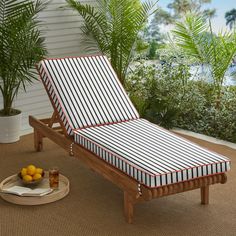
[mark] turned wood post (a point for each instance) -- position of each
(205, 195)
(128, 207)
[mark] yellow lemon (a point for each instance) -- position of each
(23, 172)
(31, 169)
(37, 176)
(27, 178)
(39, 171)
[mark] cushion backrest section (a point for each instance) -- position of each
(86, 92)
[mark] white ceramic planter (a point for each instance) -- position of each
(10, 127)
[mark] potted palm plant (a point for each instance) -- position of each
(21, 47)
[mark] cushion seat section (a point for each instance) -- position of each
(85, 91)
(150, 154)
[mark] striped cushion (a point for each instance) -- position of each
(149, 153)
(86, 91)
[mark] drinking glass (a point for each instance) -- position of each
(54, 177)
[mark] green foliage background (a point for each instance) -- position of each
(166, 96)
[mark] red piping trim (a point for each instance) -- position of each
(111, 123)
(111, 164)
(121, 86)
(50, 80)
(181, 181)
(104, 124)
(176, 135)
(145, 172)
(112, 153)
(82, 56)
(154, 175)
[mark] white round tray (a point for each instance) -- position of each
(61, 192)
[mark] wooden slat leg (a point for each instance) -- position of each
(38, 141)
(205, 195)
(128, 207)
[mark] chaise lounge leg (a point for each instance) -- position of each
(205, 195)
(38, 141)
(128, 207)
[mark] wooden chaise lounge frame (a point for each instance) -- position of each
(134, 192)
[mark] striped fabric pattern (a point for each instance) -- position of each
(150, 154)
(86, 92)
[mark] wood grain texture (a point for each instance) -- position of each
(205, 195)
(134, 192)
(128, 207)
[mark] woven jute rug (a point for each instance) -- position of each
(95, 207)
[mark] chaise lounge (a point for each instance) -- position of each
(99, 125)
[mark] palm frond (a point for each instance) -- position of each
(95, 22)
(114, 25)
(189, 35)
(217, 51)
(21, 46)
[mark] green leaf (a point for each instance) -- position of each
(21, 46)
(193, 36)
(114, 26)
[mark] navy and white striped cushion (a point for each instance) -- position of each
(86, 91)
(149, 153)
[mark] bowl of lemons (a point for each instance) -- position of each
(31, 175)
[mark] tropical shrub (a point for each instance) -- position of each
(217, 122)
(165, 95)
(155, 91)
